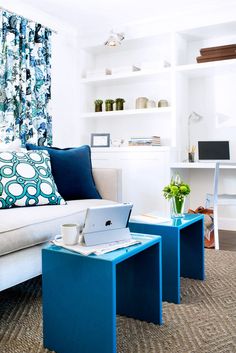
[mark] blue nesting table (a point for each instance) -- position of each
(182, 250)
(83, 294)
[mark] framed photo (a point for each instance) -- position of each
(100, 140)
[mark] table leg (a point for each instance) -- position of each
(170, 258)
(79, 304)
(139, 292)
(192, 251)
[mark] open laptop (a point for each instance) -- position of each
(213, 151)
(105, 224)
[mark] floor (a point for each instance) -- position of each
(227, 240)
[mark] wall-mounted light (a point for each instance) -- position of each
(193, 117)
(114, 39)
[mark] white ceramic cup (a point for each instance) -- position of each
(70, 233)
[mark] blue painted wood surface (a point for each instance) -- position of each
(182, 251)
(83, 294)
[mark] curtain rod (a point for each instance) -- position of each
(28, 19)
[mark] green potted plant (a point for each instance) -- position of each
(109, 104)
(176, 192)
(120, 103)
(98, 105)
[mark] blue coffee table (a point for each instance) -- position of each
(83, 294)
(182, 250)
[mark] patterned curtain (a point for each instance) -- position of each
(25, 80)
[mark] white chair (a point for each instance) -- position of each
(216, 199)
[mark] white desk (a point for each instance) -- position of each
(199, 175)
(199, 165)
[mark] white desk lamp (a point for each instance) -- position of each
(193, 117)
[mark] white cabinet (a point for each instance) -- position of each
(144, 174)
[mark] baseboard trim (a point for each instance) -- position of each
(227, 224)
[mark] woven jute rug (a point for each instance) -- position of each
(204, 322)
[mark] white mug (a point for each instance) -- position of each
(70, 233)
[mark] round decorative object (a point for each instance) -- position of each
(141, 103)
(151, 104)
(163, 103)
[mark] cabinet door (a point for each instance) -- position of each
(144, 174)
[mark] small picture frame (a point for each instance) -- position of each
(100, 140)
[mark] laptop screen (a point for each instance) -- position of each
(213, 150)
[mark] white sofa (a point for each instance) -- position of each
(24, 231)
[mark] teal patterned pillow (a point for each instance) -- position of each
(26, 180)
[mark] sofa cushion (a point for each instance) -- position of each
(26, 180)
(72, 171)
(27, 226)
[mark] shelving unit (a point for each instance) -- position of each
(208, 69)
(206, 88)
(178, 83)
(136, 76)
(154, 82)
(127, 112)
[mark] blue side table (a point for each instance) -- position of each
(182, 250)
(83, 294)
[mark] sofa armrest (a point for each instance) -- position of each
(109, 183)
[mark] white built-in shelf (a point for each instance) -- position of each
(126, 112)
(127, 77)
(190, 70)
(208, 69)
(130, 149)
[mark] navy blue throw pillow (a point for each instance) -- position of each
(72, 171)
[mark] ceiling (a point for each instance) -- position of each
(90, 16)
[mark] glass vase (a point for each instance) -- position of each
(177, 207)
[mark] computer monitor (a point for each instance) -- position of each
(213, 150)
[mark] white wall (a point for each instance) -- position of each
(214, 99)
(64, 73)
(65, 93)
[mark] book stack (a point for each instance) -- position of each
(223, 52)
(145, 141)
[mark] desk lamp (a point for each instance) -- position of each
(193, 117)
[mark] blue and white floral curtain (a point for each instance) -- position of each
(25, 80)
